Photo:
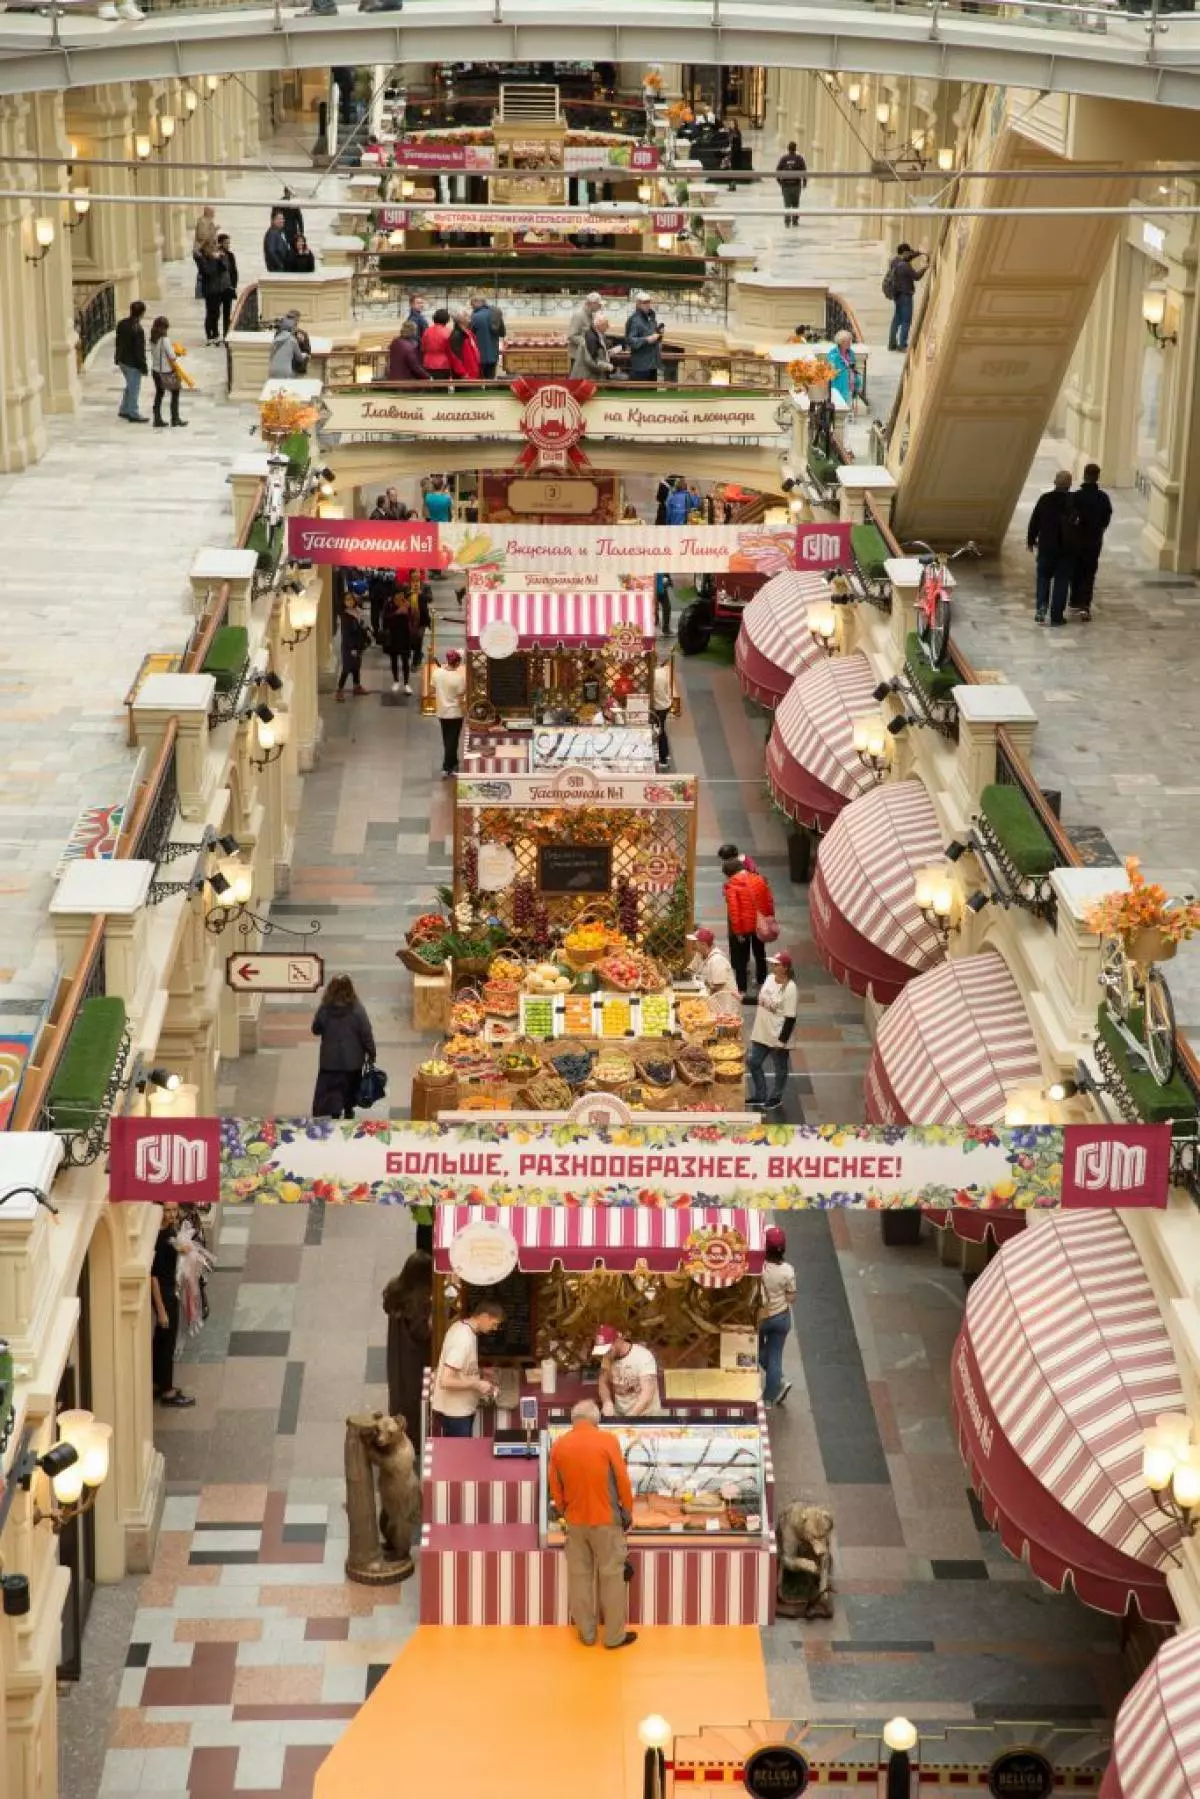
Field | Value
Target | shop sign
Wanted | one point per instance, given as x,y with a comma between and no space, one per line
557,220
640,159
824,545
672,220
552,423
609,553
1117,1165
391,218
1021,1774
444,156
165,1161
492,1161
716,1257
483,1253
578,787
714,416
617,746
364,542
776,1771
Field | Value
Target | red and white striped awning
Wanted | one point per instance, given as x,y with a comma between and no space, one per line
1156,1743
1062,1362
774,643
865,922
493,753
583,1237
813,768
583,617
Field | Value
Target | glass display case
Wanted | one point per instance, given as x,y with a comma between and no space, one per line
689,1480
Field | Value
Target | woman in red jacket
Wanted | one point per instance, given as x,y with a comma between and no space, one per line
435,346
464,348
747,897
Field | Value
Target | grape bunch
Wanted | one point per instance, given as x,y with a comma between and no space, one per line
522,907
627,908
541,926
471,867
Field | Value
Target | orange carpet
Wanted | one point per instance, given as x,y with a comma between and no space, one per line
519,1706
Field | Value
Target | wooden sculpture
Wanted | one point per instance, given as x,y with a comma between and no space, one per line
383,1499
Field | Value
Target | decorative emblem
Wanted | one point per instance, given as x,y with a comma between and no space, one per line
483,1253
657,871
715,1256
552,422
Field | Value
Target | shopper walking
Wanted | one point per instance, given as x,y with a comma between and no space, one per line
775,1315
219,276
405,618
774,1022
347,1047
682,501
164,1300
408,1302
450,704
1051,536
790,171
664,588
748,903
900,287
664,698
458,1385
354,639
164,369
591,1491
580,322
1093,515
487,323
129,354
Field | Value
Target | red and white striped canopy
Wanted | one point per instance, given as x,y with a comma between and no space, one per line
1156,1743
813,767
952,1047
583,1237
567,618
866,926
1062,1362
493,753
774,643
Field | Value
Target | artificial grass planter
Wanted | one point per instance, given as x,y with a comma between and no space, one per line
227,656
81,1079
823,469
298,450
870,551
1155,1104
1020,831
267,545
935,683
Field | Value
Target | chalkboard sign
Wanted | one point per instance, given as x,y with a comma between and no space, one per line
575,867
514,1341
508,683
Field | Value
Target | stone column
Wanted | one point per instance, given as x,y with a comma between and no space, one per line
22,430
52,280
981,712
149,179
186,699
104,119
855,481
115,891
1169,540
1103,388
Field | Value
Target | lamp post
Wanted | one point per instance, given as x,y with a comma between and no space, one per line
654,1733
1171,1469
900,1738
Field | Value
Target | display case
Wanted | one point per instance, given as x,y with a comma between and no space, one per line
690,1481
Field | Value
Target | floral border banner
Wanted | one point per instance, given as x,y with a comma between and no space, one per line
532,1162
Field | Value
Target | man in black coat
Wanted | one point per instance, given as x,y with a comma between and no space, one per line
277,249
129,355
1052,536
1093,515
789,172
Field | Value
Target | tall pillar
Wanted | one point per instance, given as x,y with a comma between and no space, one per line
52,283
104,119
149,177
1169,539
22,430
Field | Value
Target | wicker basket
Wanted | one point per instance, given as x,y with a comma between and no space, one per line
417,964
615,1083
545,1093
568,1046
470,968
599,912
1148,945
645,1059
694,1075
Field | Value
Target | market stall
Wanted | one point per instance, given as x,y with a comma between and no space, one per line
813,766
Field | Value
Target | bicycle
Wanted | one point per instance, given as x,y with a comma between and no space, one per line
933,599
1135,992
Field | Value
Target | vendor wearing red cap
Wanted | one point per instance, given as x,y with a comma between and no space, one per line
775,1315
774,1022
628,1376
450,704
710,965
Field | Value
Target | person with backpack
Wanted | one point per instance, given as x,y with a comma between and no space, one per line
347,1044
1052,536
900,287
1093,515
749,911
790,171
487,322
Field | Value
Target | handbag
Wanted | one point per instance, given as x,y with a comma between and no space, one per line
372,1085
766,928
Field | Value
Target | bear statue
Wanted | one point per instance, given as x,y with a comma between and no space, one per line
397,1485
803,1535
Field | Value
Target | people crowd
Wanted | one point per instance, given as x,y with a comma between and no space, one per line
1066,535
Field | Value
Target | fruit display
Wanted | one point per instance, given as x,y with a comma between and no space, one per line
588,942
577,1014
613,1069
435,1069
466,1016
656,1068
507,968
695,1067
629,971
693,1016
656,1015
546,1092
466,1055
537,1015
728,1060
616,1017
427,927
573,1066
544,977
519,1060
502,998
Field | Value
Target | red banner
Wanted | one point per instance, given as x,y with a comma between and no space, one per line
366,542
165,1161
643,157
671,221
823,545
1116,1165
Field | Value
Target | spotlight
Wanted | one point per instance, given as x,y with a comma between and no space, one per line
1060,1090
954,850
263,714
978,902
55,1461
788,486
164,1078
882,691
218,884
229,846
896,726
270,679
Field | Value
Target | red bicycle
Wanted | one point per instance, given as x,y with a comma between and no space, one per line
933,599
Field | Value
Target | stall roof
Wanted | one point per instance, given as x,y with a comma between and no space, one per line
1156,1743
813,768
574,619
614,1237
775,644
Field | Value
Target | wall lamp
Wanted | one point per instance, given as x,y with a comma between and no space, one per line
81,205
271,729
938,900
1154,311
164,1079
76,1467
900,1739
823,629
43,231
301,614
191,100
1171,1469
872,745
1062,1090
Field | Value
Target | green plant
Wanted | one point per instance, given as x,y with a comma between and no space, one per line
870,550
935,683
228,655
78,1087
1020,830
1173,1104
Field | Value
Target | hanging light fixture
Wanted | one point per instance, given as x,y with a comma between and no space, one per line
76,1467
81,204
191,101
301,616
141,146
945,159
166,126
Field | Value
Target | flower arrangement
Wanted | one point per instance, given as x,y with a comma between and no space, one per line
281,415
1145,906
807,371
652,80
680,113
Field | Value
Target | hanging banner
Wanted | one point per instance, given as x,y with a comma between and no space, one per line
558,220
712,414
824,545
578,787
364,542
410,155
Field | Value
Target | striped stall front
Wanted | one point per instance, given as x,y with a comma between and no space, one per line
494,753
866,926
774,643
1156,1743
1062,1362
571,619
813,768
616,1237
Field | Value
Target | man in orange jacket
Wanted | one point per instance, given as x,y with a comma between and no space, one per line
747,896
589,1485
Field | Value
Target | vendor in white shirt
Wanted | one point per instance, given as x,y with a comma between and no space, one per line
711,966
661,706
458,1385
774,1022
628,1378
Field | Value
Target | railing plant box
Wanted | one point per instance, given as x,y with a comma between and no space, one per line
1175,1103
83,1078
1019,830
228,655
870,551
937,684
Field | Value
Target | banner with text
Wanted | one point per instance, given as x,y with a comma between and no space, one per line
560,219
712,415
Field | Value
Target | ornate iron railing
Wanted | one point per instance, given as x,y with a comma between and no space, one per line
156,806
86,983
95,315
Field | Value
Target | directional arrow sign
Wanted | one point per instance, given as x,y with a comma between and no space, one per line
274,971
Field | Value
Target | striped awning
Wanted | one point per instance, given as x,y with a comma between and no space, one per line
582,617
813,768
1062,1362
1156,1742
614,1237
865,922
493,753
774,643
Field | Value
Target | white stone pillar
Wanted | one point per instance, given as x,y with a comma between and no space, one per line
149,179
187,699
858,479
1169,540
116,892
22,430
52,285
981,712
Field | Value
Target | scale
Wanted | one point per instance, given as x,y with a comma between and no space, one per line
521,1444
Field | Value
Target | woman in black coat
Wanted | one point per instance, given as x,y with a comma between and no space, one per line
403,628
347,1043
408,1302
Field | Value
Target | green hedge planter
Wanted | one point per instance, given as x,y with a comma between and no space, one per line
1020,830
935,683
81,1079
823,469
1155,1104
592,268
870,551
267,545
298,451
228,656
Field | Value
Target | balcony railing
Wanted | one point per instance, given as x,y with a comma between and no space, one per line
95,315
